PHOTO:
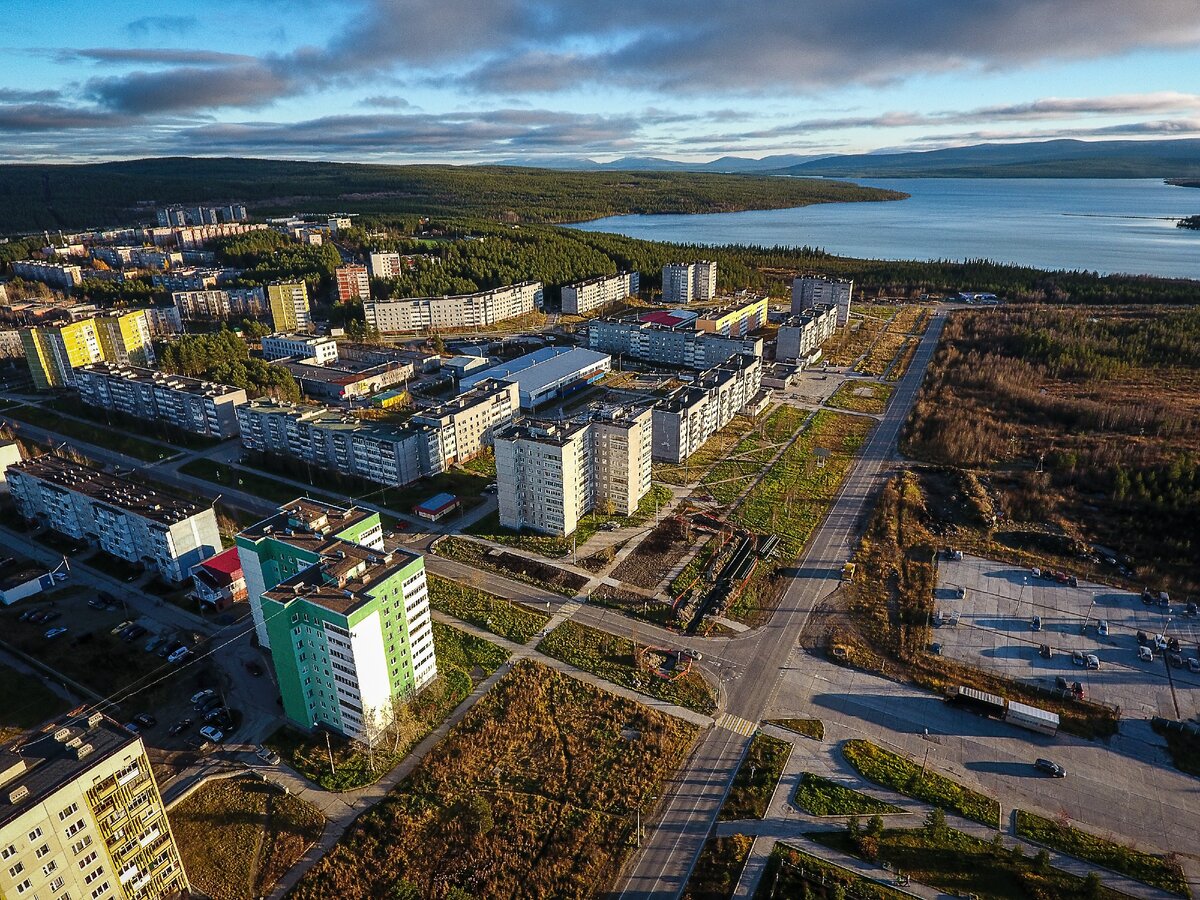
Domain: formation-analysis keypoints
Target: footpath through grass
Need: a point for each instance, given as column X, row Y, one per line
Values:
column 905, row 777
column 732, row 474
column 823, row 797
column 756, row 779
column 506, row 618
column 238, row 836
column 92, row 433
column 250, row 482
column 613, row 658
column 534, row 794
column 793, row 873
column 1148, row 868
column 718, row 869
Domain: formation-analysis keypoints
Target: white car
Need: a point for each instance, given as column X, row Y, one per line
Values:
column 1145, row 654
column 213, row 734
column 1160, row 642
column 179, row 655
column 1102, row 628
column 1193, row 664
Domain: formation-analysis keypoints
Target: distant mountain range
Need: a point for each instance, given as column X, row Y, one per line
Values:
column 1175, row 159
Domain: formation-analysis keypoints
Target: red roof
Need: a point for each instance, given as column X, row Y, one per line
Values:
column 660, row 317
column 226, row 563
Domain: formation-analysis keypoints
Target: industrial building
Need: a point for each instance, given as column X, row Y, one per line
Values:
column 288, row 302
column 320, row 349
column 736, row 319
column 119, row 514
column 83, row 817
column 667, row 338
column 810, row 290
column 352, row 283
column 800, row 335
column 346, row 620
column 53, row 352
column 546, row 375
column 189, row 404
column 584, row 296
column 690, row 415
column 550, row 474
column 462, row 311
column 688, row 282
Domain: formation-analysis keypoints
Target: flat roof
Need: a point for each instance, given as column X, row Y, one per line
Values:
column 541, row 367
column 554, row 433
column 437, row 503
column 309, row 518
column 341, row 580
column 141, row 375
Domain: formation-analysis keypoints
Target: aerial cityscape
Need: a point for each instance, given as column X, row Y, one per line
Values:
column 551, row 450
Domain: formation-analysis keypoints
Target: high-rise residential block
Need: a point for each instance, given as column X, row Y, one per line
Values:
column 289, row 305
column 126, row 338
column 800, row 335
column 737, row 319
column 584, row 296
column 83, row 817
column 688, row 282
column 691, row 414
column 385, row 264
column 220, row 304
column 54, row 351
column 346, row 620
column 809, row 290
column 667, row 338
column 352, row 283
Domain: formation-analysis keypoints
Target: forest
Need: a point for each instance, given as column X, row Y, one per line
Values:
column 224, row 357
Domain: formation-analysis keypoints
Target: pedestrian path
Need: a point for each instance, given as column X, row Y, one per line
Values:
column 737, row 724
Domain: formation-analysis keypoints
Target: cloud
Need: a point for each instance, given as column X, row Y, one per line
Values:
column 177, row 25
column 189, row 88
column 151, row 56
column 9, row 95
column 384, row 101
column 53, row 117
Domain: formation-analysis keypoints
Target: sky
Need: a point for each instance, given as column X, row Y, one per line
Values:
column 471, row 81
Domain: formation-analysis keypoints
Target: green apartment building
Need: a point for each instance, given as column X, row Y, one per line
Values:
column 347, row 621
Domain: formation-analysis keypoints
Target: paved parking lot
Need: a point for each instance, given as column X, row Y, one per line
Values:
column 995, row 631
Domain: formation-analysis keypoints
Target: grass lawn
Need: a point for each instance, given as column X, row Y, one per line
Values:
column 794, row 873
column 460, row 657
column 25, row 701
column 695, row 566
column 506, row 618
column 1184, row 748
column 71, row 404
column 92, row 433
column 1145, row 867
column 756, row 778
column 734, row 472
column 520, row 568
column 810, row 728
column 823, row 797
column 238, row 836
column 903, row 359
column 862, row 396
column 533, row 794
column 905, row 777
column 612, row 657
column 718, row 869
column 252, row 482
column 961, row 865
column 716, row 448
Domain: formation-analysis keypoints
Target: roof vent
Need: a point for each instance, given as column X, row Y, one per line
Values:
column 95, row 719
column 82, row 750
column 18, row 794
column 62, row 735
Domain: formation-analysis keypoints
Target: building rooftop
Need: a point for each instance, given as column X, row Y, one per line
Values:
column 535, row 370
column 308, row 520
column 436, row 503
column 554, row 433
column 161, row 379
column 111, row 490
column 482, row 391
column 342, row 374
column 668, row 318
column 734, row 305
column 51, row 760
column 341, row 581
column 21, row 575
column 299, row 337
column 624, row 273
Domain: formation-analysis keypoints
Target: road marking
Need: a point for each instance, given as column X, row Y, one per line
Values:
column 737, row 724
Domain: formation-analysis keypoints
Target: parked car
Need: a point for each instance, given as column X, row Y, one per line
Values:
column 179, row 655
column 935, row 649
column 1035, row 572
column 213, row 734
column 267, row 755
column 1191, row 610
column 217, row 712
column 1175, row 659
column 1143, row 638
column 97, row 603
column 1072, row 581
column 1093, row 661
column 691, row 654
column 179, row 727
column 201, row 696
column 52, row 616
column 133, row 632
column 55, row 632
column 1045, row 651
column 1037, row 623
column 1078, row 658
column 132, row 726
column 154, row 643
column 209, row 703
column 27, row 615
column 1077, row 690
column 1160, row 642
column 118, row 628
column 1051, row 768
column 145, row 720
column 1193, row 664
column 1061, row 683
column 1145, row 654
column 1102, row 628
column 1173, row 645
column 197, row 744
column 170, row 647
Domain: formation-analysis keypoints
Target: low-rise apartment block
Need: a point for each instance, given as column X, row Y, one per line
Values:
column 63, row 276
column 221, row 304
column 690, row 415
column 346, row 380
column 551, row 474
column 810, row 290
column 584, row 296
column 737, row 319
column 352, row 283
column 662, row 339
column 289, row 306
column 688, row 282
column 347, row 621
column 320, row 348
column 196, row 236
column 467, row 424
column 83, row 817
column 166, row 534
column 189, row 404
column 463, row 311
column 802, row 334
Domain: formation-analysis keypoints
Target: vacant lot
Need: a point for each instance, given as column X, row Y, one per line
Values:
column 506, row 618
column 25, row 701
column 716, row 448
column 657, row 554
column 511, row 565
column 546, row 809
column 238, row 836
column 862, row 396
column 737, row 470
column 718, row 868
column 865, row 326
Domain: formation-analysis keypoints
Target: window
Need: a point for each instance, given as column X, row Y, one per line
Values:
column 96, row 892
column 43, row 850
column 24, row 886
column 16, row 870
column 57, row 883
column 78, row 846
column 8, row 851
column 62, row 816
column 35, row 834
column 93, row 875
column 49, row 867
column 90, row 858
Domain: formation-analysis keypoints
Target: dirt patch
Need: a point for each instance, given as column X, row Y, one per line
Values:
column 658, row 553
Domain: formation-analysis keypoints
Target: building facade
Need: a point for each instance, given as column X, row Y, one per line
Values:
column 689, row 282
column 550, row 474
column 802, row 334
column 220, row 304
column 385, row 265
column 463, row 311
column 321, row 348
column 346, row 620
column 54, row 352
column 737, row 319
column 584, row 296
column 809, row 290
column 84, row 818
column 467, row 425
column 218, row 582
column 289, row 306
column 189, row 404
column 120, row 516
column 126, row 338
column 63, row 276
column 676, row 346
column 352, row 283
column 690, row 415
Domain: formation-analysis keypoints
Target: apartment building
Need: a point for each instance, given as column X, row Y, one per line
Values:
column 347, row 621
column 189, row 404
column 690, row 415
column 551, row 474
column 809, row 290
column 688, row 282
column 801, row 335
column 463, row 311
column 63, row 276
column 220, row 304
column 352, row 283
column 584, row 296
column 83, row 817
column 177, row 215
column 196, row 236
column 118, row 514
column 665, row 340
column 736, row 319
column 289, row 306
column 467, row 424
column 321, row 348
column 53, row 352
column 126, row 338
column 194, row 279
column 384, row 264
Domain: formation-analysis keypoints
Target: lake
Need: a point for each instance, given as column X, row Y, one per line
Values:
column 1104, row 225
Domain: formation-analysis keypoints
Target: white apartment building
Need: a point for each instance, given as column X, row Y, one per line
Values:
column 56, row 275
column 688, row 282
column 551, row 474
column 584, row 296
column 690, row 415
column 384, row 264
column 220, row 304
column 463, row 311
column 321, row 348
column 189, row 404
column 120, row 515
column 801, row 335
column 467, row 424
column 809, row 290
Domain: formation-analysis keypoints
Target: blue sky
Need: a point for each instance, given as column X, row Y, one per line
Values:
column 485, row 80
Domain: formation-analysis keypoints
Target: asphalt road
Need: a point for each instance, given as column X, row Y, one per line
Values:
column 752, row 666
